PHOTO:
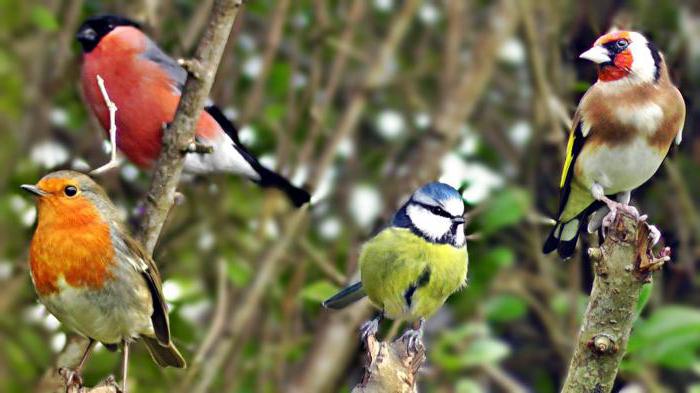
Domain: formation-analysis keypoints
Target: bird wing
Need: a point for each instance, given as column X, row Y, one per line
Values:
column 177, row 74
column 145, row 265
column 577, row 139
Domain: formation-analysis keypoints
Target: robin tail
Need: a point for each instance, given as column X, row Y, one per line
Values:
column 164, row 356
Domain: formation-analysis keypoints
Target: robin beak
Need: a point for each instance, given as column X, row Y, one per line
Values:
column 32, row 189
column 596, row 54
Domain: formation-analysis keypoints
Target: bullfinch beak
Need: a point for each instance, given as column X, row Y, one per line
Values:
column 32, row 189
column 596, row 54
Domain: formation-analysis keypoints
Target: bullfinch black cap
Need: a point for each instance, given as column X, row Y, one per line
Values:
column 94, row 28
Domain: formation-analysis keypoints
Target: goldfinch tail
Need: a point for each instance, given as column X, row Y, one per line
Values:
column 345, row 297
column 563, row 238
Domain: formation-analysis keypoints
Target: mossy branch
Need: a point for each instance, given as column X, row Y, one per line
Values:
column 622, row 265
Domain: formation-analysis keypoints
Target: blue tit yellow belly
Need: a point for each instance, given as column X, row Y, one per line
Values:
column 408, row 277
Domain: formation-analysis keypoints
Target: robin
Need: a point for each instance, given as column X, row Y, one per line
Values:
column 92, row 275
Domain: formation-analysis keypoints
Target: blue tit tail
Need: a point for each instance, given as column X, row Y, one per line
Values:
column 345, row 297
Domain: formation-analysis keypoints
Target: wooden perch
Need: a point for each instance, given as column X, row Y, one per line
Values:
column 391, row 367
column 622, row 265
column 176, row 141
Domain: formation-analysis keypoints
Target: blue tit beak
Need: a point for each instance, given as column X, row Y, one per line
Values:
column 32, row 189
column 458, row 220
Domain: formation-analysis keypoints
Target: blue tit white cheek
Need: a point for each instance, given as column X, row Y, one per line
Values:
column 434, row 227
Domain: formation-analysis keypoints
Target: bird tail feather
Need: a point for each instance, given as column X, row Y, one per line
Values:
column 164, row 355
column 269, row 178
column 345, row 297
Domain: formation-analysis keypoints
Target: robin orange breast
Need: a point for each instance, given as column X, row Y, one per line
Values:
column 92, row 275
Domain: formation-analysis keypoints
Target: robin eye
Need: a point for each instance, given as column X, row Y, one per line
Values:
column 70, row 191
column 622, row 44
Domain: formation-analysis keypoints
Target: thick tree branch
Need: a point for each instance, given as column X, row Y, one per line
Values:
column 622, row 265
column 180, row 134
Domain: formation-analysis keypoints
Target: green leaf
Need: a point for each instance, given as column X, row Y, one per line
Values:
column 280, row 79
column 239, row 273
column 644, row 296
column 318, row 291
column 507, row 208
column 468, row 346
column 44, row 19
column 466, row 385
column 505, row 308
column 669, row 338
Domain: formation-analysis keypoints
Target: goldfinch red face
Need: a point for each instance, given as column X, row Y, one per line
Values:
column 624, row 56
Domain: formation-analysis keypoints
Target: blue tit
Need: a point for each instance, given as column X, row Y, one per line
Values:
column 410, row 268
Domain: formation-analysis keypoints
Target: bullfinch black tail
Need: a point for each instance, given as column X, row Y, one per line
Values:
column 267, row 178
column 345, row 297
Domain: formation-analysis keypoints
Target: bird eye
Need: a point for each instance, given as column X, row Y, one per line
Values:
column 70, row 191
column 439, row 211
column 622, row 44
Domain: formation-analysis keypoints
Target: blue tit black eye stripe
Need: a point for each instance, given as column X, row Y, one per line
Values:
column 434, row 209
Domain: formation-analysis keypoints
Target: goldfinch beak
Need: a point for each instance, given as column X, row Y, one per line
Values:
column 596, row 54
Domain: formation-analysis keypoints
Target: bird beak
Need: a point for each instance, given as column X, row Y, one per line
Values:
column 596, row 54
column 458, row 220
column 32, row 189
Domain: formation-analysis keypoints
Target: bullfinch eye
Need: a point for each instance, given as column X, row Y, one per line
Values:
column 621, row 44
column 70, row 191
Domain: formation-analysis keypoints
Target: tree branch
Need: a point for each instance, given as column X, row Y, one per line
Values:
column 391, row 367
column 180, row 134
column 622, row 265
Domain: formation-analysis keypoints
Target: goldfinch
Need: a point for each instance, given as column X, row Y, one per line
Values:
column 622, row 131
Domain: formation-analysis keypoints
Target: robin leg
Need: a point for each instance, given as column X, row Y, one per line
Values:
column 125, row 363
column 414, row 336
column 73, row 376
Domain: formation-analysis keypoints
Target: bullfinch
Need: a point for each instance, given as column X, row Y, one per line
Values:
column 145, row 84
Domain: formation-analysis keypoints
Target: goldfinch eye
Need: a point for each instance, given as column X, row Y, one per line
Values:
column 622, row 44
column 70, row 191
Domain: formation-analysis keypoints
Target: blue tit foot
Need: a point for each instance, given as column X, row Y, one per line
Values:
column 414, row 338
column 71, row 377
column 370, row 328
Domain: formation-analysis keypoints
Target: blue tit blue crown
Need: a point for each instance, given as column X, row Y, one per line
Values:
column 435, row 213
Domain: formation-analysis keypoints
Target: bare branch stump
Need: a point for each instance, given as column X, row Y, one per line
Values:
column 622, row 265
column 391, row 367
